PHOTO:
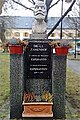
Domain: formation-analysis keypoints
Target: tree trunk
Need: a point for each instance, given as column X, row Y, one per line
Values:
column 1, row 4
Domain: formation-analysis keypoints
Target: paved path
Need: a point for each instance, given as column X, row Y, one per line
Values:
column 74, row 65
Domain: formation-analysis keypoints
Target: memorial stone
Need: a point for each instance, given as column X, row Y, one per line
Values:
column 38, row 66
column 36, row 71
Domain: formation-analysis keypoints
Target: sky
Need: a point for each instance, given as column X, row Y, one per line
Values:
column 54, row 12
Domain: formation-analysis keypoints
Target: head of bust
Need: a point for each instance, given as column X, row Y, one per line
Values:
column 40, row 10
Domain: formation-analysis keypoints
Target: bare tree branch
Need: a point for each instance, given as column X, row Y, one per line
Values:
column 22, row 5
column 54, row 4
column 75, row 21
column 32, row 1
column 69, row 9
column 48, row 6
column 48, row 3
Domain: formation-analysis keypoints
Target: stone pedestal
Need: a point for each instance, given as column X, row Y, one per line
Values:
column 56, row 84
column 59, row 85
column 38, row 36
column 16, row 85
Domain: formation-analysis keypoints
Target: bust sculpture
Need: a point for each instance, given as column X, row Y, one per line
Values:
column 39, row 25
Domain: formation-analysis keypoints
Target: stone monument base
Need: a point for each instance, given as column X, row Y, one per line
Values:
column 37, row 109
column 38, row 36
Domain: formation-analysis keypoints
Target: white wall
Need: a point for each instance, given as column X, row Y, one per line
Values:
column 66, row 33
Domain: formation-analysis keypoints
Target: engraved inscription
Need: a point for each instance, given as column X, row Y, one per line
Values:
column 39, row 64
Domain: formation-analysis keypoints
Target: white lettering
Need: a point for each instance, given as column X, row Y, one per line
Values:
column 38, row 49
column 38, row 65
column 38, row 59
column 38, row 69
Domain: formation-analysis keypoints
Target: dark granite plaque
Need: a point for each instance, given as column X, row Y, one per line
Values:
column 39, row 60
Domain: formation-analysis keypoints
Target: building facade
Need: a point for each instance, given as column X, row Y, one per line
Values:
column 21, row 27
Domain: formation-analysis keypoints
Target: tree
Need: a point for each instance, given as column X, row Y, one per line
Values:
column 1, row 5
column 2, row 31
column 78, row 4
column 49, row 5
column 62, row 17
column 74, row 21
column 5, row 21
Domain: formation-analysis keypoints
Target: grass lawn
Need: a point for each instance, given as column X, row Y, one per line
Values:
column 73, row 89
column 73, row 57
column 72, row 83
column 4, row 77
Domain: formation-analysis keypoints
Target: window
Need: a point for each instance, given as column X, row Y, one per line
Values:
column 78, row 33
column 26, row 34
column 78, row 45
column 17, row 34
column 8, row 34
column 70, row 34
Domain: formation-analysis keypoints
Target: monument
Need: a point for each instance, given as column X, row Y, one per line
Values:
column 37, row 75
column 39, row 25
column 38, row 68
